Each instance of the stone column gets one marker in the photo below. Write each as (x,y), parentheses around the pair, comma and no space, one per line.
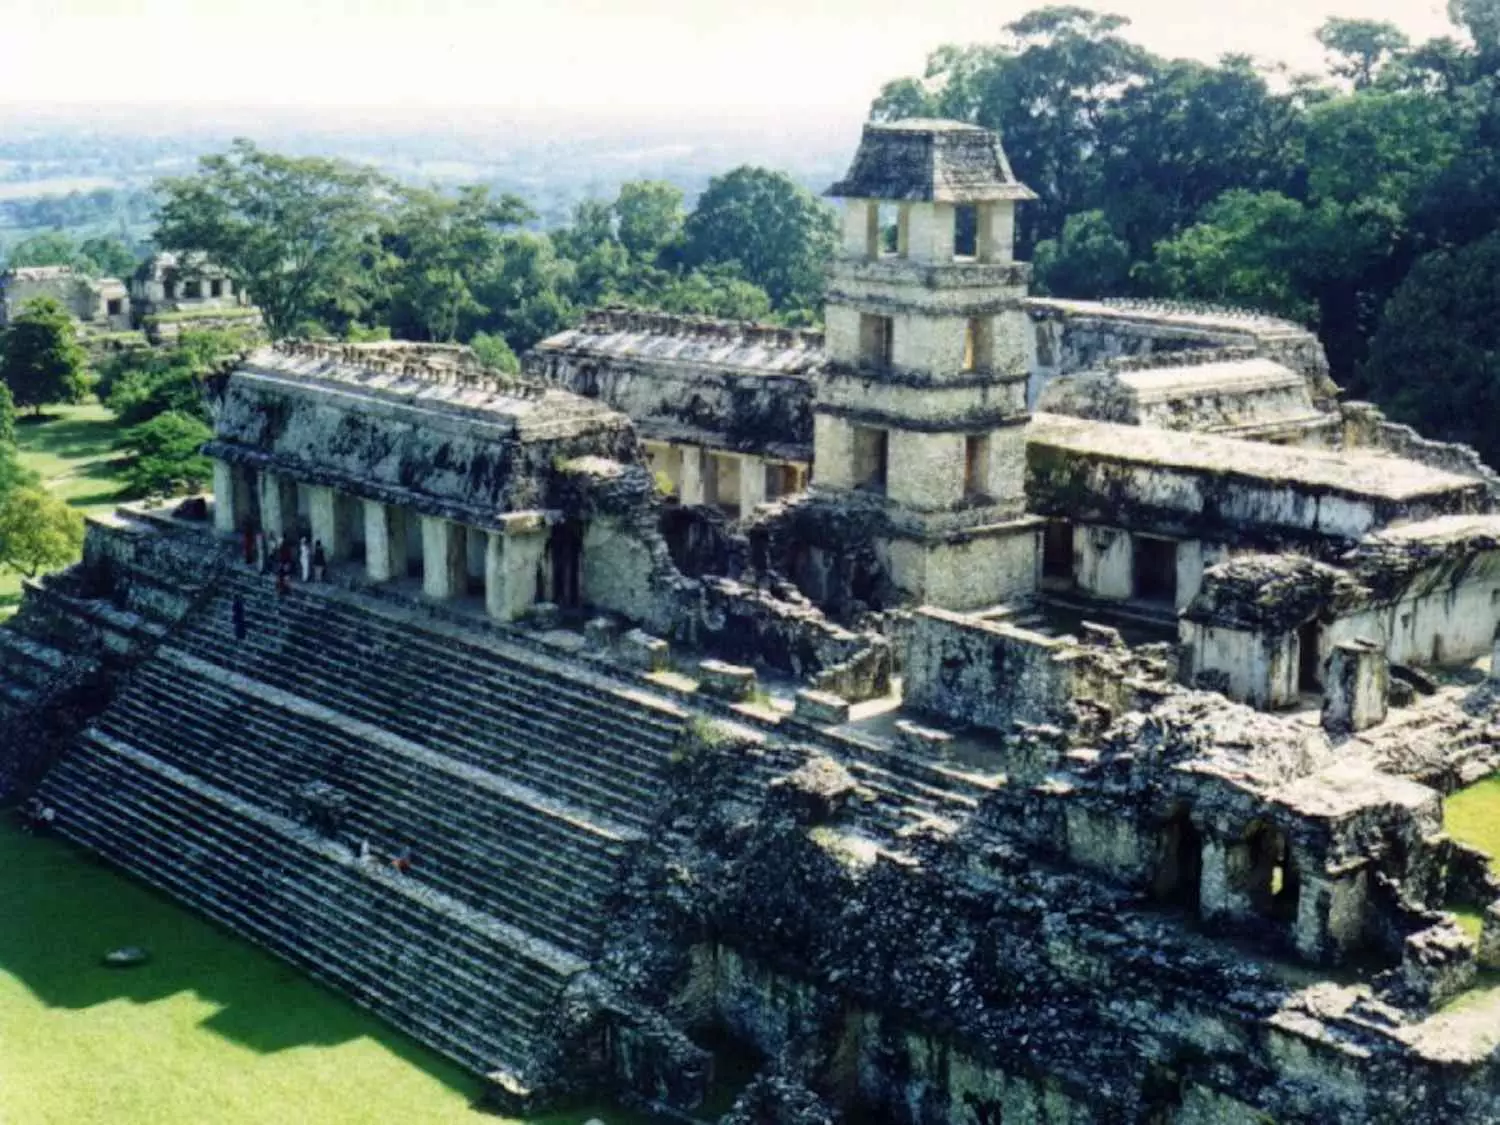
(1354,687)
(752,484)
(510,561)
(692,474)
(327,528)
(1226,865)
(443,559)
(226,497)
(385,541)
(278,504)
(1495,660)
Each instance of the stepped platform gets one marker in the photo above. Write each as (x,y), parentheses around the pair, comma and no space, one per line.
(469,986)
(268,781)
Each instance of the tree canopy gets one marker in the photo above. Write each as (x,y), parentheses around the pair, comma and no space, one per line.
(40,357)
(300,235)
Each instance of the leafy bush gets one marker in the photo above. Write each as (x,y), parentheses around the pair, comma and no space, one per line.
(164,455)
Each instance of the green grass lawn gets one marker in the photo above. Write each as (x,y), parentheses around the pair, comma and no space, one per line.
(213,1031)
(72,450)
(1472,816)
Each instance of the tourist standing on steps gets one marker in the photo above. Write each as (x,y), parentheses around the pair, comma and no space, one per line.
(319,562)
(237,615)
(304,559)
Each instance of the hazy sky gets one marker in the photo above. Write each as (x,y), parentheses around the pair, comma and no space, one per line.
(699,56)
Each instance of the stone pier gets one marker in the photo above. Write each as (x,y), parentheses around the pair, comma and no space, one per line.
(752,484)
(385,541)
(278,504)
(327,527)
(444,561)
(511,558)
(692,475)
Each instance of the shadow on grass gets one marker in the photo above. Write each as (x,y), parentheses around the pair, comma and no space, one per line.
(69,438)
(63,910)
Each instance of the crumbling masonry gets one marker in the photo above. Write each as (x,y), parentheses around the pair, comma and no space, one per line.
(988,710)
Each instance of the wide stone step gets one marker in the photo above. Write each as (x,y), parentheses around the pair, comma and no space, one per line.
(455,733)
(526,870)
(125,812)
(397,674)
(369,625)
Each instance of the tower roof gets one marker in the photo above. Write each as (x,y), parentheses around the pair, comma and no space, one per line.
(930,161)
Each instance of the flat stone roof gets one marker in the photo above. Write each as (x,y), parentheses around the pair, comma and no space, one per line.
(1164,384)
(1362,474)
(1180,313)
(699,342)
(523,410)
(1441,530)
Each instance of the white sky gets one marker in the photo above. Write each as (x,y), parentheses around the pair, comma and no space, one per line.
(694,56)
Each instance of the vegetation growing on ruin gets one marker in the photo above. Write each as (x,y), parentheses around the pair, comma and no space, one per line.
(1472,816)
(212,1029)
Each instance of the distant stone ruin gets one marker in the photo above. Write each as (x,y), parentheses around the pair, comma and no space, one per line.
(990,709)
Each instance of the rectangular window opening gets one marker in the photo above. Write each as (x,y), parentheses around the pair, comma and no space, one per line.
(216,289)
(966,231)
(1057,551)
(871,449)
(115,307)
(876,337)
(1155,566)
(976,466)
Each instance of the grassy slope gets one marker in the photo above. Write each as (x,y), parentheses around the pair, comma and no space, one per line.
(212,1030)
(1472,816)
(72,451)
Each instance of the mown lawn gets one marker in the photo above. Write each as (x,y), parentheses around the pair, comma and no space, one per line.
(72,450)
(1472,816)
(212,1031)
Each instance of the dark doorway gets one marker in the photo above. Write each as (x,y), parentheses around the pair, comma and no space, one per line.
(567,564)
(1154,562)
(1309,667)
(1274,888)
(1179,867)
(1057,552)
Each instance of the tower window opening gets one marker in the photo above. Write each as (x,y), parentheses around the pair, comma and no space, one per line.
(871,455)
(976,466)
(966,231)
(876,337)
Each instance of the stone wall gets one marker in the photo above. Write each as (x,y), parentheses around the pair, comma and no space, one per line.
(990,674)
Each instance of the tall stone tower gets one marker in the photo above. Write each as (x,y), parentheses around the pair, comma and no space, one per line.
(923,410)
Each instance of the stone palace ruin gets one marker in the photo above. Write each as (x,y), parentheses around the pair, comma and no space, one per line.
(990,709)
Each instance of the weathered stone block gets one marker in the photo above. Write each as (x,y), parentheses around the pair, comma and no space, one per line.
(924,741)
(816,792)
(1354,687)
(544,615)
(727,681)
(601,632)
(1438,963)
(821,707)
(642,650)
(1489,937)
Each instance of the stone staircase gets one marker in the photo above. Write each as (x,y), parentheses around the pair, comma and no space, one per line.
(553,728)
(465,984)
(498,847)
(518,786)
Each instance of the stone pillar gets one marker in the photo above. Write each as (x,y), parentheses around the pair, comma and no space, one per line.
(752,484)
(327,528)
(444,564)
(278,504)
(1226,865)
(510,561)
(385,541)
(692,474)
(1354,687)
(1495,660)
(226,497)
